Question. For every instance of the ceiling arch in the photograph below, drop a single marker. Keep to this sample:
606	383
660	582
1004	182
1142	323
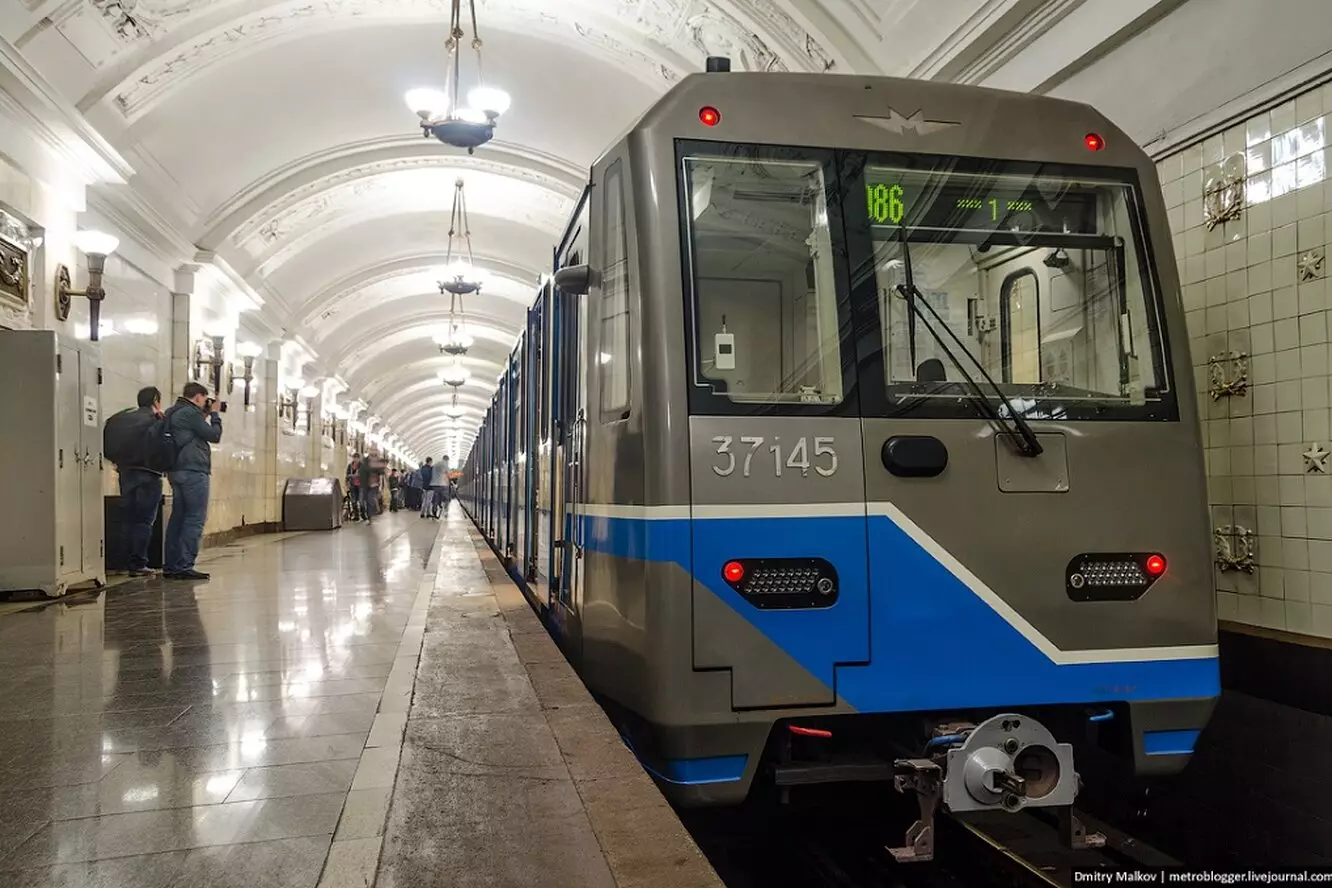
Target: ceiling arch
411	283
655	42
259	204
353	340
422	193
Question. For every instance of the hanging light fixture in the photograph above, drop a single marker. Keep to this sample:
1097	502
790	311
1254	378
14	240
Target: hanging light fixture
455	410
461	277
455	374
462	126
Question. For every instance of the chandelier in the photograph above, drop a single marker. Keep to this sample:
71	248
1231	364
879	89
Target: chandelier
441	115
460	278
455	410
455	374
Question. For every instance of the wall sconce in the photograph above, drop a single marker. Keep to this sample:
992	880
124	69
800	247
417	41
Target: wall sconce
96	245
287	402
208	358
309	393
248	351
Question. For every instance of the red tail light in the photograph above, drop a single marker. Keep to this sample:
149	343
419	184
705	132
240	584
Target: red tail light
1093	141
733	572
809	732
709	115
1156	565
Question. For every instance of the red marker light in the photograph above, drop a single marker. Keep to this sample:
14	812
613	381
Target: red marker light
809	732
1156	565
1093	142
709	115
733	572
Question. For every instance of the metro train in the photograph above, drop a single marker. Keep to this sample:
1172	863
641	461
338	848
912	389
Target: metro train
853	436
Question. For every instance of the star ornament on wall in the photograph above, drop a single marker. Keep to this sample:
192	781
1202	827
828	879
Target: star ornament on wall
1315	459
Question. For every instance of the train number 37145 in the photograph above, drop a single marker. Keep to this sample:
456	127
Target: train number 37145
801	456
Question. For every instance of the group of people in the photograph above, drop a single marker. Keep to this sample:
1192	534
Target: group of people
148	443
425	489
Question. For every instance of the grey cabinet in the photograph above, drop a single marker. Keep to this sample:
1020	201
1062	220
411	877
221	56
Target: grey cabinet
51	536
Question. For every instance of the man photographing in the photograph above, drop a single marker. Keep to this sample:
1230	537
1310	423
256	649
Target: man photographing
194	423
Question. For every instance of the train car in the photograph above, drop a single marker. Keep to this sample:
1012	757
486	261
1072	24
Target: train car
856	436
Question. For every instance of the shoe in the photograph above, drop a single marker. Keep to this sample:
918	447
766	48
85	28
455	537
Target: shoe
185	575
143	572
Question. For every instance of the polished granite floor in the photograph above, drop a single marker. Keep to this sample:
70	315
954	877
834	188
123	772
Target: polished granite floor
239	731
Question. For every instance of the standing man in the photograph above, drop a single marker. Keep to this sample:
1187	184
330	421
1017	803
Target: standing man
368	476
427	482
194	426
140	483
354	486
440	499
395	490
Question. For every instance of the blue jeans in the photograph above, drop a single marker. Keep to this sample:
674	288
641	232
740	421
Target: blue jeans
370	501
140	495
189	509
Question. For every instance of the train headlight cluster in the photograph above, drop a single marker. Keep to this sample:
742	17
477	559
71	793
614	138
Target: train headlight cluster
1113	577
783	582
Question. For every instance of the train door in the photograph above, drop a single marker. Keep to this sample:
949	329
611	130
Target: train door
779	540
571	417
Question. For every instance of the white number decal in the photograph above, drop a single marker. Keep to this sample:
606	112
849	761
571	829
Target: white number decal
797	458
754	445
723	443
824	447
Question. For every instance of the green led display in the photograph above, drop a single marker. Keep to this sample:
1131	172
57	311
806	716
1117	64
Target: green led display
885	204
994	205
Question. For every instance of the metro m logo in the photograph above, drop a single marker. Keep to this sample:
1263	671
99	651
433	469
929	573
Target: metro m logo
915	123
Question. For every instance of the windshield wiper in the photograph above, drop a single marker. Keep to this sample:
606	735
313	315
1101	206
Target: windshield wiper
1019	430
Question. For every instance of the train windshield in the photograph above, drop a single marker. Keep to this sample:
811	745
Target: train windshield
1041	275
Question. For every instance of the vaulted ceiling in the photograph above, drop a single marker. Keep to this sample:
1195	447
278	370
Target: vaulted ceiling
273	133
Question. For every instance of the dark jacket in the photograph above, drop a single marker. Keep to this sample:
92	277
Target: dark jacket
193	434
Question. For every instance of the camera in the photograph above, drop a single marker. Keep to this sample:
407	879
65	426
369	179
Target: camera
213	405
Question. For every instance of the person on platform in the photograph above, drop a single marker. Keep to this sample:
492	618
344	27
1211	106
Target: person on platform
140	484
194	423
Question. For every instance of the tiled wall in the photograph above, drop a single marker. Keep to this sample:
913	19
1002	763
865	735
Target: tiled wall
1244	292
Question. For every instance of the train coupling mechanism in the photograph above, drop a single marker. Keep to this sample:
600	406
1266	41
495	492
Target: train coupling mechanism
1006	763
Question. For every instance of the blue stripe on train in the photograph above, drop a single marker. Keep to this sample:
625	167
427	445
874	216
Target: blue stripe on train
921	618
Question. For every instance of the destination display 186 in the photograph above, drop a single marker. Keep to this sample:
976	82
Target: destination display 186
976	203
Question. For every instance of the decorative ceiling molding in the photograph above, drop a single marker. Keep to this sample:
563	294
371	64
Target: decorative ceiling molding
427	392
257	204
345	351
38	107
638	36
391	372
399	194
1014	41
490	341
332	300
977	33
135	86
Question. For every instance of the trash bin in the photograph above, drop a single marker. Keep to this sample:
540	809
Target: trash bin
312	504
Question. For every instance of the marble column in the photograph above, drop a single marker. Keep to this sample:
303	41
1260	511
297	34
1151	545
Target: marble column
267	404
314	436
182	338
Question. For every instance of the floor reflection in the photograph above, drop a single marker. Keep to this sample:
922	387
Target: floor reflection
154	722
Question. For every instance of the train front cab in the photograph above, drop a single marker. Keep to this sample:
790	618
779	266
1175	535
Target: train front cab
862	540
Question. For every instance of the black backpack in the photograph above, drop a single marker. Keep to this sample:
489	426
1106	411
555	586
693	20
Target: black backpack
135	439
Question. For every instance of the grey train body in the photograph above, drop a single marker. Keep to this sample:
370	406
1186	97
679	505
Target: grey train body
621	486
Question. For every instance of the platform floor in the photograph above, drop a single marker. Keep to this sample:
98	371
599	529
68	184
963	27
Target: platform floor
339	709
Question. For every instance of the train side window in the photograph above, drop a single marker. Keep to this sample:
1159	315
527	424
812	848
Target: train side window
613	359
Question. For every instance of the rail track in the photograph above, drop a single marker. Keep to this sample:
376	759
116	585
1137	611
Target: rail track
842	842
